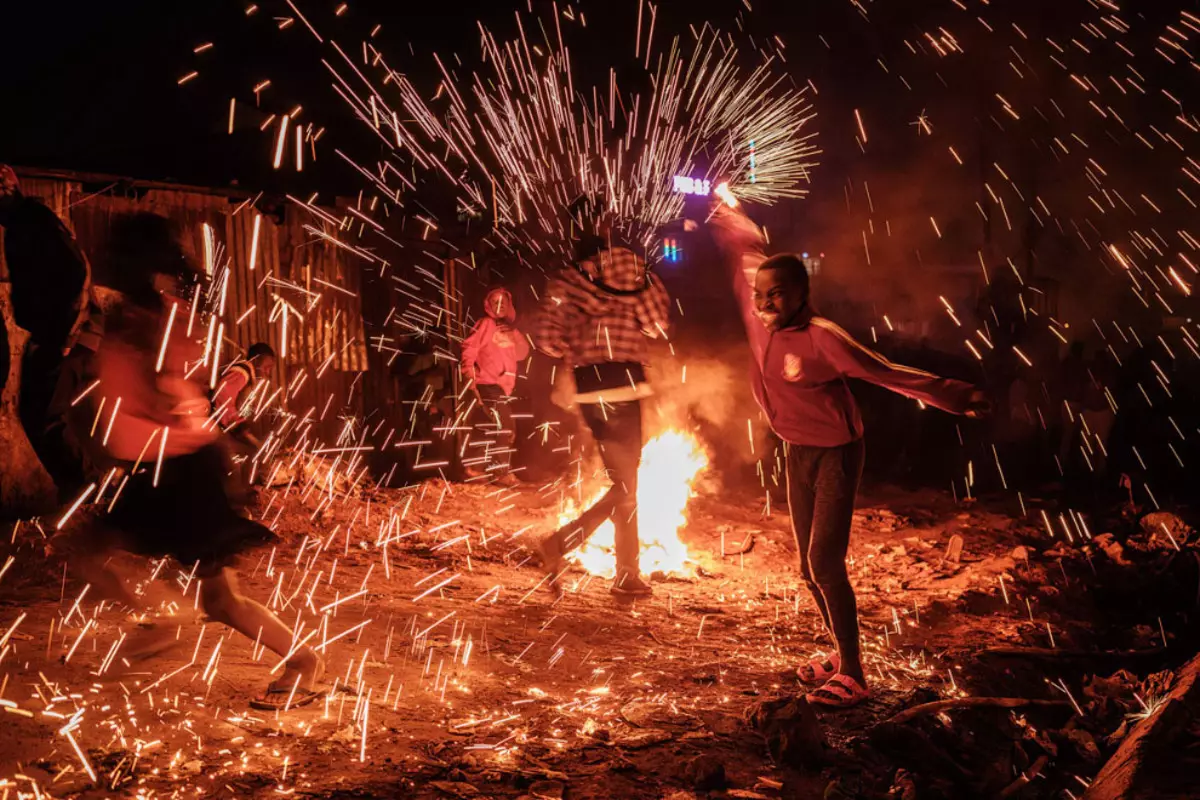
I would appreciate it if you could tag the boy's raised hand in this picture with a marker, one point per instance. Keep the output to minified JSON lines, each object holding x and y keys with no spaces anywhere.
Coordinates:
{"x":733,"y":228}
{"x":978,"y":405}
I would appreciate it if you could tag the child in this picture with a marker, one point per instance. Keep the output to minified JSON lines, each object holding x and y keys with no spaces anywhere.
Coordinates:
{"x":238,"y":379}
{"x":490,"y":357}
{"x":239,"y":386}
{"x":599,"y":316}
{"x":175,"y":501}
{"x":801,"y":365}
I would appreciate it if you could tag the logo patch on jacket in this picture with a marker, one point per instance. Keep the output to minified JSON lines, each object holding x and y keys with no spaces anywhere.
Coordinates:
{"x":503,"y":339}
{"x":791,"y":367}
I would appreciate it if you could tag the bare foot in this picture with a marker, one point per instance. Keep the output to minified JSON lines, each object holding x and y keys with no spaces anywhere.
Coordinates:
{"x":152,"y":639}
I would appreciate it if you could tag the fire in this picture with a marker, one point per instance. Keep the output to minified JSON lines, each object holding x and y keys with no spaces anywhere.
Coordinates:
{"x":671,"y":462}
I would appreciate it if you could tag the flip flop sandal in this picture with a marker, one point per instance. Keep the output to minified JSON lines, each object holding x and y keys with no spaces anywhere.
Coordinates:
{"x":819,"y":670}
{"x":840,"y":691}
{"x":276,"y":698}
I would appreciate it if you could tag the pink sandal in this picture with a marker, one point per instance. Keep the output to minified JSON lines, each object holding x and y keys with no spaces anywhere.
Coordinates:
{"x":840,"y":691}
{"x":819,"y":669}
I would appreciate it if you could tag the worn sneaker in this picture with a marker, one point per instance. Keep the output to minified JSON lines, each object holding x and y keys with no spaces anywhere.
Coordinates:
{"x":630,"y":584}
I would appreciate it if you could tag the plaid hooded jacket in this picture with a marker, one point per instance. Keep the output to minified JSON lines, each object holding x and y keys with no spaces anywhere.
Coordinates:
{"x":604,"y":312}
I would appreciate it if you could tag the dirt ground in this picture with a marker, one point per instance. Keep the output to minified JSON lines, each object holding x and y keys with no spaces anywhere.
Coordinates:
{"x":452,"y":674}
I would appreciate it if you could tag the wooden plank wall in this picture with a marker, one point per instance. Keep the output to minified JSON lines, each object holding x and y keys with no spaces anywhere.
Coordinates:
{"x":321,"y":284}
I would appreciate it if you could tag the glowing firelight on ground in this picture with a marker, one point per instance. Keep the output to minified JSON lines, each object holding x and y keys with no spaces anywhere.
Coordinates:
{"x":671,"y":462}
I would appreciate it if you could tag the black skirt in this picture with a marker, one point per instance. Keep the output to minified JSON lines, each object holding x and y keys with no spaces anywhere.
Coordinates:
{"x":189,"y":516}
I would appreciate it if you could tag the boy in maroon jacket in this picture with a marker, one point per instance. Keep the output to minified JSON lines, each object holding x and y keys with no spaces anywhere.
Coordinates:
{"x":801,"y":362}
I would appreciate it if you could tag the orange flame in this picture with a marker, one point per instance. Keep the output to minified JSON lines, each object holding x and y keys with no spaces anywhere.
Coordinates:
{"x":670,"y":465}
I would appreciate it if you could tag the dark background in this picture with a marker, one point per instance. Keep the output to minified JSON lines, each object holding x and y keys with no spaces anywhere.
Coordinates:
{"x":93,"y":87}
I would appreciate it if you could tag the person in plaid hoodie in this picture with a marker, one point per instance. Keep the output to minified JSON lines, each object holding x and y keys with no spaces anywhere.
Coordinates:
{"x":599,"y":317}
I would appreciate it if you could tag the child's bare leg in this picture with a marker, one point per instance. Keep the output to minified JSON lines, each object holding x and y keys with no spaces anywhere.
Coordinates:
{"x":108,"y":582}
{"x":220,"y":599}
{"x":104,"y":577}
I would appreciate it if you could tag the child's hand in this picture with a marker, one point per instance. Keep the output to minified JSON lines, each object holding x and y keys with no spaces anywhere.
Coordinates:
{"x":732,"y":228}
{"x":978,"y":405}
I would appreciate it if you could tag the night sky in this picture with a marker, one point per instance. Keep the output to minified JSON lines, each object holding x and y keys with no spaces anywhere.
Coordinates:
{"x":95,"y":89}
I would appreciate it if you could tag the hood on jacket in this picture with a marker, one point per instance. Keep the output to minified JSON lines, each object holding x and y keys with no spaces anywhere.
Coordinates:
{"x":613,"y":282}
{"x":499,"y":305}
{"x":616,"y":269}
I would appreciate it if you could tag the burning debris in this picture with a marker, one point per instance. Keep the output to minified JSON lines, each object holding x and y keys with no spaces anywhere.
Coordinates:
{"x":671,"y":463}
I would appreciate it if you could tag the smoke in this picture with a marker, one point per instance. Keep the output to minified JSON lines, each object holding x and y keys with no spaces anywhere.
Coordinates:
{"x":710,"y":395}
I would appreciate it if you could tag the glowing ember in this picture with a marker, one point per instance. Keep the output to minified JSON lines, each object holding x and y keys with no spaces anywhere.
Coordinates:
{"x":670,"y":463}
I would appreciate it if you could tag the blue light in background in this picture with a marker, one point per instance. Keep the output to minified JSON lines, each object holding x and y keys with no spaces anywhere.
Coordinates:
{"x":671,"y":251}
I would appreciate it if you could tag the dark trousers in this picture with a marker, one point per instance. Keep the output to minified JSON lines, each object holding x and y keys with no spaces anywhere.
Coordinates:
{"x":822,"y":484}
{"x":617,"y":429}
{"x":499,"y":428}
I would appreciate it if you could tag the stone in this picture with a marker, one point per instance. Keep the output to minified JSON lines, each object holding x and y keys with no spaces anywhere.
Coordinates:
{"x":706,"y":773}
{"x":1109,"y":545}
{"x":1085,"y":744}
{"x":455,"y":788}
{"x":791,"y":730}
{"x":954,"y":549}
{"x":647,"y":737}
{"x":1163,"y":522}
{"x":547,"y":790}
{"x":345,"y":735}
{"x":643,"y":714}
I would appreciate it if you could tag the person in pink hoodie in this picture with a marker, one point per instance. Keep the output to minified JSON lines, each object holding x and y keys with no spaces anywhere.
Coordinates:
{"x":490,"y":357}
{"x":801,"y":363}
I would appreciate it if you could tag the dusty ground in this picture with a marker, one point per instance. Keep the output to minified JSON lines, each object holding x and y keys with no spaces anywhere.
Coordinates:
{"x":456,"y":676}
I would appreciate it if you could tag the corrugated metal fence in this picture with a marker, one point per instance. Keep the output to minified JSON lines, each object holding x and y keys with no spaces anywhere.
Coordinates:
{"x":286,"y":286}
